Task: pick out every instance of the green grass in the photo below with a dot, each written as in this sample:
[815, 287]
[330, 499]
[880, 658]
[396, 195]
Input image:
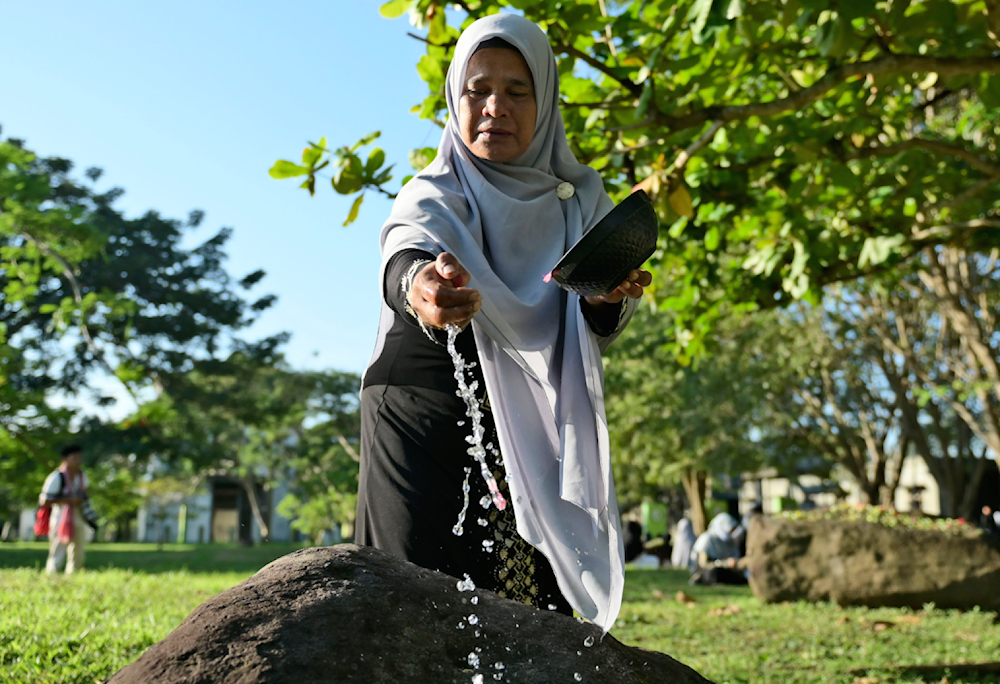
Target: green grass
[801, 642]
[83, 628]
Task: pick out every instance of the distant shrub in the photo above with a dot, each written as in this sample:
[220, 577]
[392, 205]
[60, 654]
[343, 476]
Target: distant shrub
[881, 515]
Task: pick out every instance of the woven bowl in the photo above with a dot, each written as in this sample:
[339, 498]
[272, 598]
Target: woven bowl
[618, 244]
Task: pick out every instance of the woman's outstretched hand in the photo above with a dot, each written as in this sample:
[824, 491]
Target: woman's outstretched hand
[630, 287]
[439, 295]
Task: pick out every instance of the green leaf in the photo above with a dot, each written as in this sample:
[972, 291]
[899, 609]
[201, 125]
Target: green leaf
[430, 69]
[877, 249]
[395, 8]
[375, 161]
[366, 140]
[352, 215]
[680, 201]
[421, 158]
[287, 169]
[311, 155]
[735, 9]
[47, 308]
[698, 15]
[712, 239]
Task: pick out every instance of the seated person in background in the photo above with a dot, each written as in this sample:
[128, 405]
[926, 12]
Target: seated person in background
[681, 556]
[717, 553]
[632, 540]
[741, 532]
[990, 521]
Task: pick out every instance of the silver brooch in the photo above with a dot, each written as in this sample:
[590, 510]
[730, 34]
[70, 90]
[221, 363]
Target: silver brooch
[565, 190]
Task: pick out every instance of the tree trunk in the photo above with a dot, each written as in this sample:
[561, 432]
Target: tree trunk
[694, 487]
[250, 487]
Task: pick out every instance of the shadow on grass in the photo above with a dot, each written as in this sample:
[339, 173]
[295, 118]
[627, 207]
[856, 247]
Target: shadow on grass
[146, 558]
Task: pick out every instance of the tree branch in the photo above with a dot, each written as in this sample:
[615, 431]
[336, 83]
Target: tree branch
[935, 233]
[944, 66]
[993, 20]
[974, 160]
[566, 48]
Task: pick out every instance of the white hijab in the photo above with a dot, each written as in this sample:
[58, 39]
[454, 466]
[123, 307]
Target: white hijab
[541, 362]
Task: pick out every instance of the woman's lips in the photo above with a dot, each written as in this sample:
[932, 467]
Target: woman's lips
[495, 134]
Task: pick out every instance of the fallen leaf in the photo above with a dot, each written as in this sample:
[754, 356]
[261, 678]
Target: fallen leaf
[882, 625]
[681, 597]
[727, 610]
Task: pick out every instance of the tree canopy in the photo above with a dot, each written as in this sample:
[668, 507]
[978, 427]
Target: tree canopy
[90, 296]
[788, 144]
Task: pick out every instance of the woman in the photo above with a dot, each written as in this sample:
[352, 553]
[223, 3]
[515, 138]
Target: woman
[470, 240]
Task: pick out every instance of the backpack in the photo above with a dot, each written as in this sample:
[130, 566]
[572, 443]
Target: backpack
[43, 515]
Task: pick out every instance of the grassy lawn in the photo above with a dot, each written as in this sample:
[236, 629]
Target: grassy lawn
[59, 630]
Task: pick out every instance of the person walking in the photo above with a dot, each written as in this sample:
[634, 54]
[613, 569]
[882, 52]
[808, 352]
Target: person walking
[65, 490]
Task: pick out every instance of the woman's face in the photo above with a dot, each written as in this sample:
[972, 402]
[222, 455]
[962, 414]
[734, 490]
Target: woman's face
[497, 111]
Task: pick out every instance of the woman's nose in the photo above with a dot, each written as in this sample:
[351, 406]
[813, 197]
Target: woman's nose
[494, 106]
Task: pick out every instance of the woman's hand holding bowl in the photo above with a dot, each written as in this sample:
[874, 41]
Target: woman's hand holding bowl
[439, 296]
[630, 287]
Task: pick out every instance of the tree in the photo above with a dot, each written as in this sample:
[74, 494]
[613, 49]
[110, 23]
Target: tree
[89, 292]
[938, 332]
[679, 424]
[788, 145]
[253, 419]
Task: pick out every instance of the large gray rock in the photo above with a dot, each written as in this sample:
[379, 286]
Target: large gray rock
[860, 563]
[353, 614]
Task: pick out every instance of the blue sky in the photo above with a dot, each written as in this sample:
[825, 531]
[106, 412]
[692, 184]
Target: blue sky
[186, 105]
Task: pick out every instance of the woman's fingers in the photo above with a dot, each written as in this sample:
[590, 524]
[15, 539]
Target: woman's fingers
[438, 295]
[447, 267]
[631, 287]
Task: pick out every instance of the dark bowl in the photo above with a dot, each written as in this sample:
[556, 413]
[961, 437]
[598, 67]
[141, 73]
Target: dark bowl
[619, 243]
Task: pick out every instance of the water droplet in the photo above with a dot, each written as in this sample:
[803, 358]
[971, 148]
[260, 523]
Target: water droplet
[597, 667]
[498, 665]
[461, 423]
[474, 660]
[473, 620]
[579, 653]
[466, 584]
[553, 606]
[578, 618]
[461, 625]
[588, 642]
[488, 545]
[475, 601]
[579, 562]
[478, 633]
[577, 551]
[482, 522]
[477, 679]
[485, 501]
[577, 676]
[498, 676]
[472, 409]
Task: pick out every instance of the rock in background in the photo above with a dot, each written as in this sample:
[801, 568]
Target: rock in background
[355, 614]
[860, 563]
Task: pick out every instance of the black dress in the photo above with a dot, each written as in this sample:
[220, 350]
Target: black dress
[414, 459]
